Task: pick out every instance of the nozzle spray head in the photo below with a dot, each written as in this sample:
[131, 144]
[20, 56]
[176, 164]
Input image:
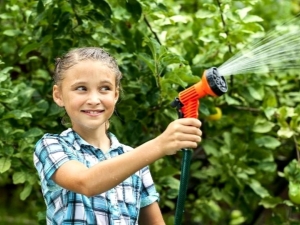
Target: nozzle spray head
[212, 83]
[215, 83]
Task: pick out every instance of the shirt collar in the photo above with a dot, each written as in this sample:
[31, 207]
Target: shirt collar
[79, 141]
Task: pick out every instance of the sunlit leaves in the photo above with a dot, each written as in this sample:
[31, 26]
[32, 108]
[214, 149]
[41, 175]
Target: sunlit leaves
[5, 164]
[262, 126]
[292, 172]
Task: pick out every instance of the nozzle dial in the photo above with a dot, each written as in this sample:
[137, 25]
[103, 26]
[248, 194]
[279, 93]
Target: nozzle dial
[216, 82]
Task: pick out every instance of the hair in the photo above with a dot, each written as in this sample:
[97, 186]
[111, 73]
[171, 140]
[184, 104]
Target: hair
[77, 55]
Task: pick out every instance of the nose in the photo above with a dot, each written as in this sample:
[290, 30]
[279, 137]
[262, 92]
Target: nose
[94, 98]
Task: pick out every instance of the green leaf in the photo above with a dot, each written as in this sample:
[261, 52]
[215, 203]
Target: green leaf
[204, 14]
[285, 112]
[237, 221]
[5, 73]
[268, 142]
[269, 112]
[149, 61]
[5, 164]
[170, 182]
[270, 100]
[243, 12]
[8, 150]
[271, 82]
[172, 58]
[256, 93]
[252, 19]
[16, 114]
[217, 194]
[28, 48]
[231, 101]
[155, 47]
[210, 148]
[26, 192]
[258, 189]
[169, 171]
[19, 177]
[33, 132]
[292, 171]
[285, 132]
[11, 33]
[4, 91]
[263, 127]
[173, 80]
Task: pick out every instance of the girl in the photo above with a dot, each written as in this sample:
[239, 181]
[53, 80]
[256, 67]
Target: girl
[87, 175]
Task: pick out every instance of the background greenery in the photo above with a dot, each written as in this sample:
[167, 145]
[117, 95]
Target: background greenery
[241, 171]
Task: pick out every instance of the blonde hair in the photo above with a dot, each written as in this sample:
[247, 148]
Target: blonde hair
[86, 53]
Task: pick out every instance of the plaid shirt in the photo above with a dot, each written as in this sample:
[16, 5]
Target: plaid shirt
[118, 206]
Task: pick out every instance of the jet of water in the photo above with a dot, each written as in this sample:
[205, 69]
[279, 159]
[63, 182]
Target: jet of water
[279, 50]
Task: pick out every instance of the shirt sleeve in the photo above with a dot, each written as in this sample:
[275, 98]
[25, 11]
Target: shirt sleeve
[148, 192]
[50, 153]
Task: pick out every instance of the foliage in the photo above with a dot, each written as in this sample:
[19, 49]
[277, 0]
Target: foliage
[237, 172]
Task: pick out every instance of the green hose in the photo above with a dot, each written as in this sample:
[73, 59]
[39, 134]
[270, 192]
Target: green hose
[184, 178]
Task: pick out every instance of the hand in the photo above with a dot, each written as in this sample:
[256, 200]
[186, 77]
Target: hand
[181, 133]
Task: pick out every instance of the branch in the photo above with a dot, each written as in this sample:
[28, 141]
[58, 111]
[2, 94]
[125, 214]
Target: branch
[152, 31]
[248, 109]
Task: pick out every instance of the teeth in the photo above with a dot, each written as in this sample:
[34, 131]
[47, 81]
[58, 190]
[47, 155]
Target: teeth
[93, 112]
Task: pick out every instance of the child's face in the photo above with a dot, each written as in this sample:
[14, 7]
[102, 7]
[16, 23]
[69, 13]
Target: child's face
[88, 92]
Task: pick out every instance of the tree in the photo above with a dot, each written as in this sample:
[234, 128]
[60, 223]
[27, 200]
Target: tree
[241, 170]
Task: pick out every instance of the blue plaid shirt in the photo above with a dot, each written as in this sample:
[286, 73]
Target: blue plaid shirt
[120, 205]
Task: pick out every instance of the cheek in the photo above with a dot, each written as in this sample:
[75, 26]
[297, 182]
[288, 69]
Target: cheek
[73, 102]
[110, 101]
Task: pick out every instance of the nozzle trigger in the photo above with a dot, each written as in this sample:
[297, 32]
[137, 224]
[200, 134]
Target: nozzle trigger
[178, 105]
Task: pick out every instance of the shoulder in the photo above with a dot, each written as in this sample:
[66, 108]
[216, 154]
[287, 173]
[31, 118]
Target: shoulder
[51, 140]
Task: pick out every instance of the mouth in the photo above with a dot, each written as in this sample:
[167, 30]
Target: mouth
[92, 112]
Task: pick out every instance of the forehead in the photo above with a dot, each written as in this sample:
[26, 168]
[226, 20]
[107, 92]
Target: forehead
[90, 69]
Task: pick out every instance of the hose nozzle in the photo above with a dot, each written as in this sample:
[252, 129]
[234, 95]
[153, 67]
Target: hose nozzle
[211, 84]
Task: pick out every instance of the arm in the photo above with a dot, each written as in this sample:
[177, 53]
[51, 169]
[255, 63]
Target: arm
[74, 176]
[151, 215]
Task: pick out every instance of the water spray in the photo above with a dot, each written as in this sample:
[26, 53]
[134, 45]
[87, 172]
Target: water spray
[187, 104]
[278, 50]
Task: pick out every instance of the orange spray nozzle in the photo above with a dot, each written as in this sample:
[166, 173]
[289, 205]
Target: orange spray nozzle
[211, 84]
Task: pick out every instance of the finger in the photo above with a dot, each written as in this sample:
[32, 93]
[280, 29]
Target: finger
[189, 137]
[190, 122]
[190, 130]
[188, 144]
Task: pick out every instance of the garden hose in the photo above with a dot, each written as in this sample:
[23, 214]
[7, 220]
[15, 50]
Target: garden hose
[187, 104]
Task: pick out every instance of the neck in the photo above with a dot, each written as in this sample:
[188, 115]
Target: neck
[97, 138]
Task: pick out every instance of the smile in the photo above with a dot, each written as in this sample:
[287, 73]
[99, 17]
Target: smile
[92, 112]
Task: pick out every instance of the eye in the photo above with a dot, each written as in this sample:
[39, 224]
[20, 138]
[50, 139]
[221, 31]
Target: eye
[105, 88]
[81, 88]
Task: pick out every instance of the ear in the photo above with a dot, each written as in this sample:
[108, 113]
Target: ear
[57, 96]
[117, 95]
